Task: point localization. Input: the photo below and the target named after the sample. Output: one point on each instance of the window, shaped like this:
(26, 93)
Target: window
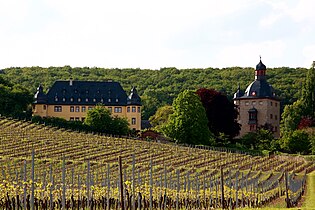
(58, 108)
(254, 102)
(71, 108)
(276, 117)
(110, 109)
(276, 129)
(271, 116)
(94, 99)
(116, 99)
(56, 98)
(90, 108)
(139, 110)
(270, 103)
(133, 121)
(276, 104)
(246, 103)
(86, 100)
(71, 99)
(260, 103)
(71, 118)
(117, 110)
(102, 100)
(109, 100)
(79, 99)
(133, 109)
(44, 107)
(82, 119)
(128, 109)
(77, 109)
(83, 109)
(77, 119)
(63, 99)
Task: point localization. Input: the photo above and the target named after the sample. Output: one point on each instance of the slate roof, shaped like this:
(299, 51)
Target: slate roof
(259, 88)
(84, 93)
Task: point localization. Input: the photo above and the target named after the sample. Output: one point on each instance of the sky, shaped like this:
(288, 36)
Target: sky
(151, 34)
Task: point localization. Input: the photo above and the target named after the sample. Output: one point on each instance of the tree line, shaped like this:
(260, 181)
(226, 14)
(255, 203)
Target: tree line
(160, 87)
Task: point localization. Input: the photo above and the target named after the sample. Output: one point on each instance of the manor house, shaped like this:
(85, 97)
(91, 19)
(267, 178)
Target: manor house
(258, 107)
(72, 99)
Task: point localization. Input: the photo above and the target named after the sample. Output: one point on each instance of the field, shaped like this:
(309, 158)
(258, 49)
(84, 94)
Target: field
(47, 168)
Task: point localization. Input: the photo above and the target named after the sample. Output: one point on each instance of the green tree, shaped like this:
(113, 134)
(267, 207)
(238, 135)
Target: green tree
(308, 93)
(99, 119)
(296, 141)
(188, 123)
(161, 116)
(119, 126)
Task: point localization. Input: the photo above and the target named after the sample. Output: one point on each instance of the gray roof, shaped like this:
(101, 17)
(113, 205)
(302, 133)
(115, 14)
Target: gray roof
(259, 89)
(83, 93)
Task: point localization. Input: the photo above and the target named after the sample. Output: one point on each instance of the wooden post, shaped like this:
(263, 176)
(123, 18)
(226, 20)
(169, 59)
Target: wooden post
(151, 183)
(287, 189)
(63, 184)
(25, 179)
(33, 179)
(88, 184)
(121, 182)
(133, 181)
(222, 189)
(108, 185)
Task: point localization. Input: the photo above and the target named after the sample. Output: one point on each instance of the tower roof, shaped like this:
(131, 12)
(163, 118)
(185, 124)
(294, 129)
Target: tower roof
(260, 66)
(134, 98)
(40, 97)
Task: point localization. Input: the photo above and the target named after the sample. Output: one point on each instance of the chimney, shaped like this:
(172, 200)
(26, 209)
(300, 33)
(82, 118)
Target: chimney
(70, 82)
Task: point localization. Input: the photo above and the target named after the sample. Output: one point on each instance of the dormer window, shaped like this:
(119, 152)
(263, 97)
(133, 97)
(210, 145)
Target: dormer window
(63, 99)
(102, 100)
(56, 98)
(94, 99)
(86, 100)
(79, 99)
(116, 99)
(109, 100)
(71, 99)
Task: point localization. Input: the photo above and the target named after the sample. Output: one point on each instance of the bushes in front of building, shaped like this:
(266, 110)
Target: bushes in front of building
(118, 125)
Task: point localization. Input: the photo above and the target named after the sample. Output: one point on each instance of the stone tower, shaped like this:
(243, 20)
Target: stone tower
(258, 107)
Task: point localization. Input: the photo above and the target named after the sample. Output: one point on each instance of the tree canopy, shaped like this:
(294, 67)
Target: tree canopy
(221, 113)
(188, 123)
(14, 100)
(99, 119)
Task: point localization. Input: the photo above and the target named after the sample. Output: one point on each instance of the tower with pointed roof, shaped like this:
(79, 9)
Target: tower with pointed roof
(258, 106)
(72, 99)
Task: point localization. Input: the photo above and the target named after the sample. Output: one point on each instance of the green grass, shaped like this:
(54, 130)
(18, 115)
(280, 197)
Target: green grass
(310, 194)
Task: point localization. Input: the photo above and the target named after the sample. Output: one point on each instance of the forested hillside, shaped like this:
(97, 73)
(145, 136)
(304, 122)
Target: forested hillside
(159, 87)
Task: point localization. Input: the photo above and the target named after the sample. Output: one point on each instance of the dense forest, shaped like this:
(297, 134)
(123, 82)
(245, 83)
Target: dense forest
(160, 87)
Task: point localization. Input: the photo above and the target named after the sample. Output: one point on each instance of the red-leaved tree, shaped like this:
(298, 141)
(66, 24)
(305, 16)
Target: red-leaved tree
(221, 113)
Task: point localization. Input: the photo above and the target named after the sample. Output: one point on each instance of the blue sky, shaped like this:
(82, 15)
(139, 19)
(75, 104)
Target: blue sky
(156, 34)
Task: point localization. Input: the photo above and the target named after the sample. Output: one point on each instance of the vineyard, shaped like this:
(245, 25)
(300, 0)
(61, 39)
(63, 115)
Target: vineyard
(48, 168)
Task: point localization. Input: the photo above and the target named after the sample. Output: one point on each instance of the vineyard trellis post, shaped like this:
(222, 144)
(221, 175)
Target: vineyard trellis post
(121, 184)
(222, 188)
(63, 183)
(287, 190)
(33, 180)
